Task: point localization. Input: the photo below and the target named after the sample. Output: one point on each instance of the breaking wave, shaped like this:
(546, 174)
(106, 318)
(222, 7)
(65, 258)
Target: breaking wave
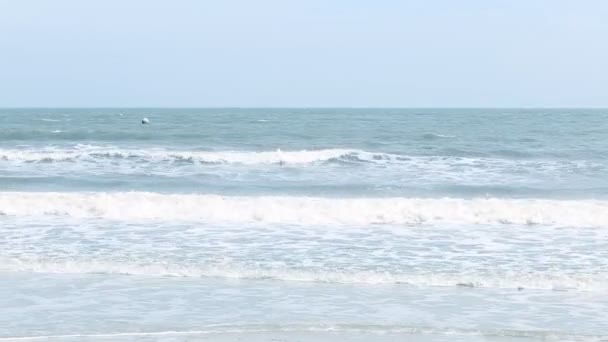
(88, 153)
(126, 206)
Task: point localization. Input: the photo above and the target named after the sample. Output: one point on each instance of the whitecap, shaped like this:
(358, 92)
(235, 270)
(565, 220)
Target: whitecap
(127, 206)
(431, 136)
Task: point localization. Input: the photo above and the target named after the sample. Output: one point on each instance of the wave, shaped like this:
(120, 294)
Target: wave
(432, 136)
(434, 163)
(517, 281)
(95, 153)
(126, 206)
(381, 329)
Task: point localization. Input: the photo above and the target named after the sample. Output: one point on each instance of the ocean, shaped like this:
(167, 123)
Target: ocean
(241, 224)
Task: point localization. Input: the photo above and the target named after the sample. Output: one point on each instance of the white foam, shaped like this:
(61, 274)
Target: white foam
(436, 135)
(512, 280)
(88, 153)
(126, 206)
(468, 170)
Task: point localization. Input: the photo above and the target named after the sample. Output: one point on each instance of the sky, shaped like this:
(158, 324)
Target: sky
(307, 53)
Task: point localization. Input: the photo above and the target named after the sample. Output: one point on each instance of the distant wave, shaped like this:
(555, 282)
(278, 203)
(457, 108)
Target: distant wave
(93, 153)
(508, 281)
(431, 136)
(99, 154)
(306, 210)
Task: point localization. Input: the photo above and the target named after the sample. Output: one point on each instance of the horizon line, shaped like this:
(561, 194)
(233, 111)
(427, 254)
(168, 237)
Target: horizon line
(300, 107)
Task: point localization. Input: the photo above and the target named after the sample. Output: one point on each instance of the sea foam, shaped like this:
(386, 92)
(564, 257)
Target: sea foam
(99, 153)
(127, 206)
(558, 282)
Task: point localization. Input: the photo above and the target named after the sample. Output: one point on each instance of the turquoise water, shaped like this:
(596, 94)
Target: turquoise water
(384, 152)
(303, 224)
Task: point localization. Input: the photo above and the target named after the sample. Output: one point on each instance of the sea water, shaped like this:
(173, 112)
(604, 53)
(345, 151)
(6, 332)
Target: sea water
(304, 224)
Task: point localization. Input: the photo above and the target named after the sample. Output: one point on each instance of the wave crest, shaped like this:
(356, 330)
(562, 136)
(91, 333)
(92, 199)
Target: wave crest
(87, 153)
(433, 136)
(128, 206)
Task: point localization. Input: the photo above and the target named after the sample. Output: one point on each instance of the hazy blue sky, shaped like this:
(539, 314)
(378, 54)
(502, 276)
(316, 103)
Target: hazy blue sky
(385, 53)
